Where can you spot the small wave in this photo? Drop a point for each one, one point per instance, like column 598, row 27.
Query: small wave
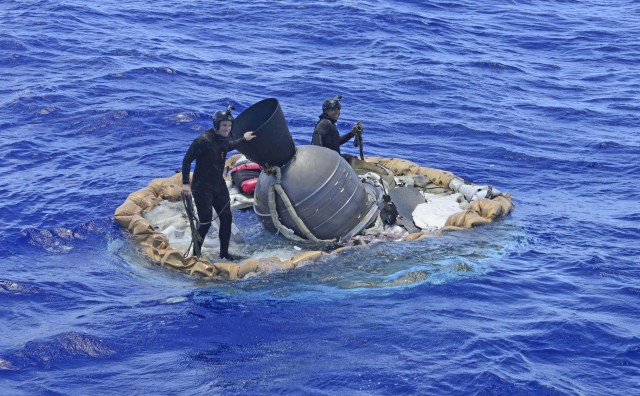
column 46, row 354
column 495, row 66
column 424, row 83
column 184, row 118
column 58, row 240
column 149, row 70
column 11, row 44
column 335, row 65
column 629, row 216
column 627, row 107
column 606, row 145
column 64, row 240
column 631, row 356
column 14, row 288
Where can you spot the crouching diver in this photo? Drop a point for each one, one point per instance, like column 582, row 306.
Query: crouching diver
column 326, row 132
column 208, row 188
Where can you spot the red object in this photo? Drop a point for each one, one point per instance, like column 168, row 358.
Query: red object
column 249, row 166
column 249, row 186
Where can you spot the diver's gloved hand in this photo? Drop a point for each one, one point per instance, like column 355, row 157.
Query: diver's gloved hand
column 357, row 129
column 248, row 135
column 186, row 190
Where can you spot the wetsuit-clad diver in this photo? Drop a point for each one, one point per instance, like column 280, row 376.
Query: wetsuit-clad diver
column 208, row 187
column 326, row 132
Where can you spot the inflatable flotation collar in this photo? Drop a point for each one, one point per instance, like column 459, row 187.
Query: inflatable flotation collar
column 129, row 215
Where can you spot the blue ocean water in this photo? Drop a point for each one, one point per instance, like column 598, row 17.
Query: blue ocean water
column 537, row 98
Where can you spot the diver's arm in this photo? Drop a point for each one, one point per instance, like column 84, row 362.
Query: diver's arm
column 346, row 137
column 190, row 155
column 248, row 135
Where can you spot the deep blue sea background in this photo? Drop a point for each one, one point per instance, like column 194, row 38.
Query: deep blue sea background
column 537, row 98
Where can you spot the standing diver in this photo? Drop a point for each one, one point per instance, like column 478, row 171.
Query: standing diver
column 209, row 188
column 326, row 133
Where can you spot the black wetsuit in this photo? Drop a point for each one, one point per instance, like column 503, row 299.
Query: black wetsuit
column 208, row 187
column 326, row 134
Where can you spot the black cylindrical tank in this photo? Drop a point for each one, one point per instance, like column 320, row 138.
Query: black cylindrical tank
column 273, row 144
column 325, row 191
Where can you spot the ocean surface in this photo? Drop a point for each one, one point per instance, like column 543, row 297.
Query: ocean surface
column 540, row 99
